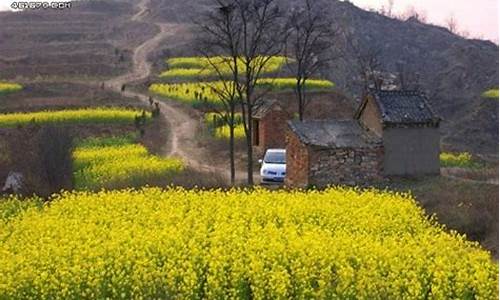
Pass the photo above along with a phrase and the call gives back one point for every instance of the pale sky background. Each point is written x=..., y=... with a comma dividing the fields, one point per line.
x=478, y=17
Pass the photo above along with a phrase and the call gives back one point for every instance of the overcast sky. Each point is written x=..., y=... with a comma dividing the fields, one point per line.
x=478, y=17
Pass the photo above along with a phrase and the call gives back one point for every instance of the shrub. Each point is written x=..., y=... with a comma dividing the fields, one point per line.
x=43, y=156
x=55, y=146
x=238, y=244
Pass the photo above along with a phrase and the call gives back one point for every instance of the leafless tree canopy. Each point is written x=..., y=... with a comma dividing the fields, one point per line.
x=247, y=32
x=309, y=45
x=451, y=24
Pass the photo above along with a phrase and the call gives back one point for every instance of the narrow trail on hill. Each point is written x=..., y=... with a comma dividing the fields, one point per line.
x=183, y=128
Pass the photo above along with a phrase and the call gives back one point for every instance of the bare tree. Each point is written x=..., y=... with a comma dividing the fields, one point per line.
x=219, y=40
x=366, y=61
x=387, y=10
x=413, y=13
x=256, y=23
x=451, y=24
x=408, y=79
x=390, y=7
x=309, y=45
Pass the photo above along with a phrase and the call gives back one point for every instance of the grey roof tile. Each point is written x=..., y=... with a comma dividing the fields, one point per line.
x=404, y=107
x=333, y=133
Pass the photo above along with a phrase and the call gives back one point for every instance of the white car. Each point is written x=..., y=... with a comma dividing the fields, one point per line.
x=273, y=166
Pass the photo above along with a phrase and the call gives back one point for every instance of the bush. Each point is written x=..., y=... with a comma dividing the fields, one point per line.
x=43, y=156
x=238, y=244
x=55, y=146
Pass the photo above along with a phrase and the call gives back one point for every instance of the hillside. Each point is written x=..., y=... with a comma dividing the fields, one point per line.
x=453, y=71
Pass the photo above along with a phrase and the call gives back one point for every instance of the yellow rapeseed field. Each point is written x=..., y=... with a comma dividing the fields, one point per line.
x=493, y=94
x=119, y=162
x=187, y=244
x=72, y=116
x=459, y=160
x=197, y=67
x=220, y=129
x=8, y=87
x=197, y=93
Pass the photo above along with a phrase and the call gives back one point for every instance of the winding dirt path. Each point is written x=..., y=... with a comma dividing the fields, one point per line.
x=183, y=128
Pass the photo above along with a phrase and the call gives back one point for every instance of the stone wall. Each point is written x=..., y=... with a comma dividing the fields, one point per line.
x=358, y=166
x=297, y=161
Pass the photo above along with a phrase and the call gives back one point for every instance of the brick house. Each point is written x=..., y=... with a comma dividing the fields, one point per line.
x=392, y=133
x=322, y=152
x=269, y=124
x=409, y=130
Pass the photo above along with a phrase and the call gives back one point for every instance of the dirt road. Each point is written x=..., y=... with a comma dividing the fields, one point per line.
x=183, y=128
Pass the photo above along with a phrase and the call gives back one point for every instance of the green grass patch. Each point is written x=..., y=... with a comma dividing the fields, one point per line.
x=72, y=116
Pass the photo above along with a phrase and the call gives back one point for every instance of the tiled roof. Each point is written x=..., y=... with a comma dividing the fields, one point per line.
x=404, y=107
x=333, y=133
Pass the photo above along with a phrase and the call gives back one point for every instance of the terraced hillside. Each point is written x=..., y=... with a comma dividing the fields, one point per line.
x=93, y=38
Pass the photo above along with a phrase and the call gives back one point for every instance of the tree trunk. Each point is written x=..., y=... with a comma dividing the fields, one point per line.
x=301, y=103
x=231, y=148
x=249, y=148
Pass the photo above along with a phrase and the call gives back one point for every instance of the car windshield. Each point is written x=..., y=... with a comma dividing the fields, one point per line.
x=275, y=158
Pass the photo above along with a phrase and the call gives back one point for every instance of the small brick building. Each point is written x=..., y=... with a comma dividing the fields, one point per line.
x=269, y=125
x=393, y=133
x=323, y=152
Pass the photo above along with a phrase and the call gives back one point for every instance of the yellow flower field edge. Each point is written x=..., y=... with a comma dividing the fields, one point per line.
x=188, y=244
x=201, y=93
x=8, y=87
x=199, y=67
x=458, y=160
x=73, y=116
x=118, y=162
x=220, y=130
x=492, y=94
